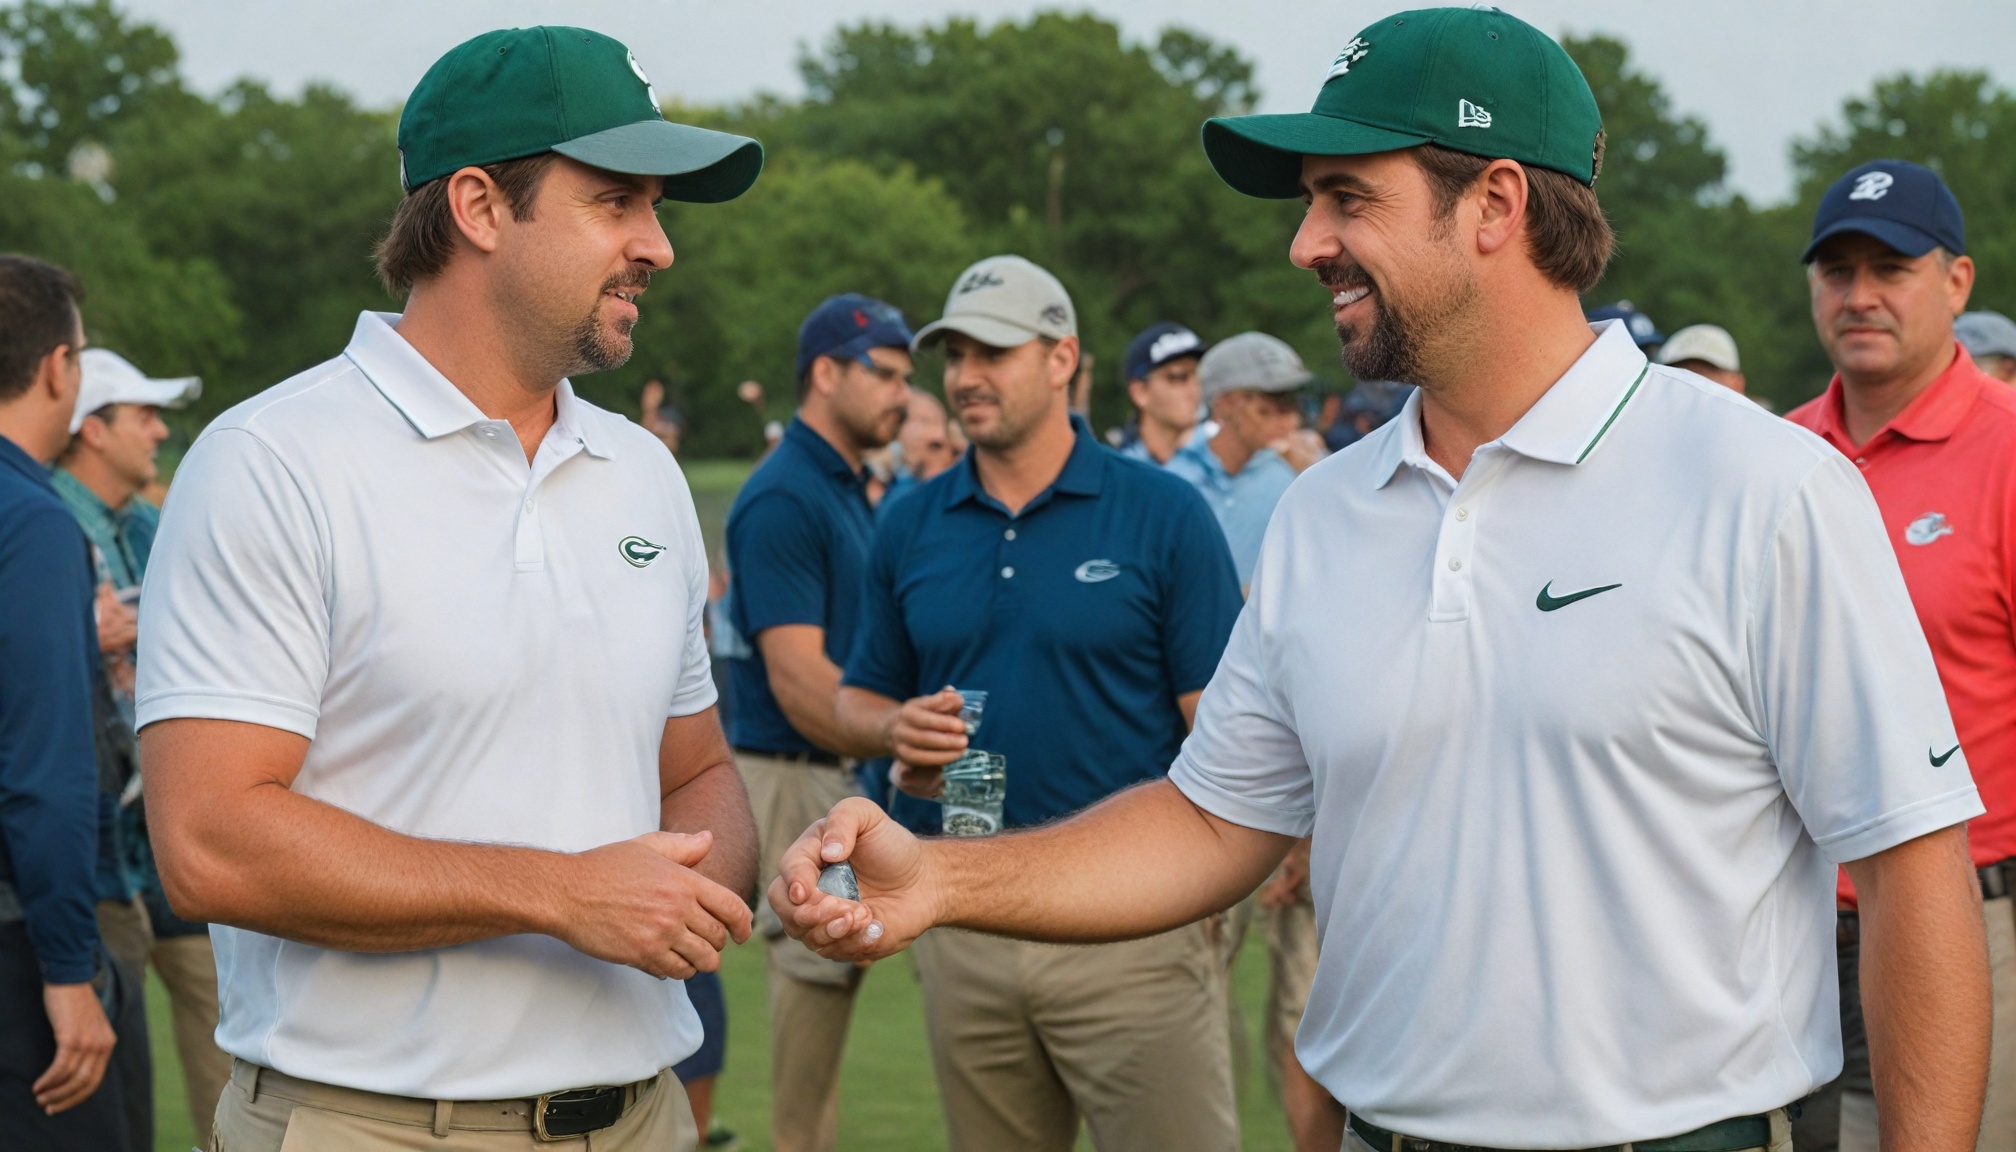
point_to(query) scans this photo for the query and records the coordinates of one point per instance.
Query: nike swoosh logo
(1547, 602)
(1940, 761)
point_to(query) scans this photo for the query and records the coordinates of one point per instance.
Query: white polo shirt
(479, 649)
(1580, 739)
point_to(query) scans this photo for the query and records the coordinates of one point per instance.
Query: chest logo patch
(1548, 602)
(1096, 571)
(1939, 760)
(1927, 528)
(637, 551)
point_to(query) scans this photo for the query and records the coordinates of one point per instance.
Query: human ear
(478, 207)
(1499, 197)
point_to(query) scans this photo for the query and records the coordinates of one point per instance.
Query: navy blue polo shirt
(49, 801)
(1083, 617)
(798, 538)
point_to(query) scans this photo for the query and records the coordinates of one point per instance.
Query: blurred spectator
(1364, 408)
(1708, 352)
(662, 420)
(1161, 369)
(1990, 338)
(116, 430)
(1254, 385)
(1644, 332)
(55, 1039)
(925, 447)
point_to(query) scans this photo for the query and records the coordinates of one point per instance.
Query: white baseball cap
(110, 379)
(1004, 302)
(1703, 342)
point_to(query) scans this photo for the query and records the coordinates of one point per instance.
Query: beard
(599, 347)
(1393, 344)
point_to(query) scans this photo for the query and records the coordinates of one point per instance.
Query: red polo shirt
(1944, 475)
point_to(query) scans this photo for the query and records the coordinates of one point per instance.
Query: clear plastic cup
(972, 703)
(976, 784)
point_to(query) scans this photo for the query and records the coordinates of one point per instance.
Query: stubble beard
(1397, 343)
(599, 347)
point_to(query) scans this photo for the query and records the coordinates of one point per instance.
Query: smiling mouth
(627, 295)
(1346, 297)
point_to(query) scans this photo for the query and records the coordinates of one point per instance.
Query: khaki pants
(1998, 1116)
(1291, 963)
(810, 998)
(188, 969)
(1027, 1038)
(1781, 1137)
(263, 1111)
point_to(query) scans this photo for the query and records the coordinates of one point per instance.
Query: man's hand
(84, 1041)
(118, 625)
(926, 732)
(1300, 449)
(898, 887)
(639, 902)
(1285, 886)
(923, 783)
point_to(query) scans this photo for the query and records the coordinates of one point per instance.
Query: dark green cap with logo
(521, 91)
(1471, 79)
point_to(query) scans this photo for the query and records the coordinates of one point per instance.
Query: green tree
(81, 70)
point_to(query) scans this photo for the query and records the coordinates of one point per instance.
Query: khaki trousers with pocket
(1028, 1038)
(262, 1111)
(810, 998)
(188, 969)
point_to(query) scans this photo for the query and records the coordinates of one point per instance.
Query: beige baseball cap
(1004, 302)
(110, 378)
(1704, 342)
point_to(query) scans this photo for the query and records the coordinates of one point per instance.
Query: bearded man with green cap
(424, 702)
(1626, 669)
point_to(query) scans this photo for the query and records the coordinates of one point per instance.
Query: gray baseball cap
(1251, 362)
(1004, 302)
(1986, 334)
(1704, 342)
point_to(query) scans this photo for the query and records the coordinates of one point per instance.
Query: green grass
(888, 1097)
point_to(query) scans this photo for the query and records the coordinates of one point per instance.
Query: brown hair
(38, 314)
(1566, 232)
(422, 236)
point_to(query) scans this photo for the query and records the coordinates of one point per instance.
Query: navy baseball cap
(1157, 345)
(847, 326)
(1644, 332)
(1905, 205)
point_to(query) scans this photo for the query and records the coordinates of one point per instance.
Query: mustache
(1849, 320)
(639, 278)
(1339, 276)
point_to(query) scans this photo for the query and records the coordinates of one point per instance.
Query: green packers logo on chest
(637, 551)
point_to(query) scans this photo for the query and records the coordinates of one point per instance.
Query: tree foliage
(230, 235)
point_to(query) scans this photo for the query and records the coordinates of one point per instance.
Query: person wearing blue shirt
(115, 431)
(798, 538)
(55, 1038)
(1161, 369)
(1253, 383)
(1090, 596)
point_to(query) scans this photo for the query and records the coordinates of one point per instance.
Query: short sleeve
(883, 660)
(235, 622)
(1243, 761)
(1200, 598)
(778, 556)
(695, 692)
(1846, 687)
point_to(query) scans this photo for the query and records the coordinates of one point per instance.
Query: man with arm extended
(797, 545)
(1627, 666)
(1935, 437)
(55, 1040)
(1090, 596)
(425, 711)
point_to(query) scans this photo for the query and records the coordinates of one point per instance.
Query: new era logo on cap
(1872, 186)
(1469, 115)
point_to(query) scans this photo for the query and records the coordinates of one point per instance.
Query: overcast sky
(1760, 72)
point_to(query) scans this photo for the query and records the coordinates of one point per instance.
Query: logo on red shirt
(1927, 528)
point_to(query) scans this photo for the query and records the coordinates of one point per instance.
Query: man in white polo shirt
(424, 700)
(1624, 668)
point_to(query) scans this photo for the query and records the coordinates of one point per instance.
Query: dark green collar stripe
(1615, 412)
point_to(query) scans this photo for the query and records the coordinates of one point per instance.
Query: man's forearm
(1144, 861)
(715, 801)
(862, 719)
(1925, 994)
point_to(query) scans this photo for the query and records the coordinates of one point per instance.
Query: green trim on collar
(1615, 412)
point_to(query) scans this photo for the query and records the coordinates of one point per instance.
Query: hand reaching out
(899, 887)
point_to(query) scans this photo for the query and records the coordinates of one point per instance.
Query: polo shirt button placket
(1457, 541)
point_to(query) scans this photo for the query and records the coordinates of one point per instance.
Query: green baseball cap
(1472, 79)
(522, 91)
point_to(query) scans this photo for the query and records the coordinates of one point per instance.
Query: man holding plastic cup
(1090, 596)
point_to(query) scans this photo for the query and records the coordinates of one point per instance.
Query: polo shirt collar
(1084, 472)
(1934, 415)
(428, 400)
(816, 446)
(1564, 425)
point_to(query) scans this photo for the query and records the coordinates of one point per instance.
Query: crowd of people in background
(901, 552)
